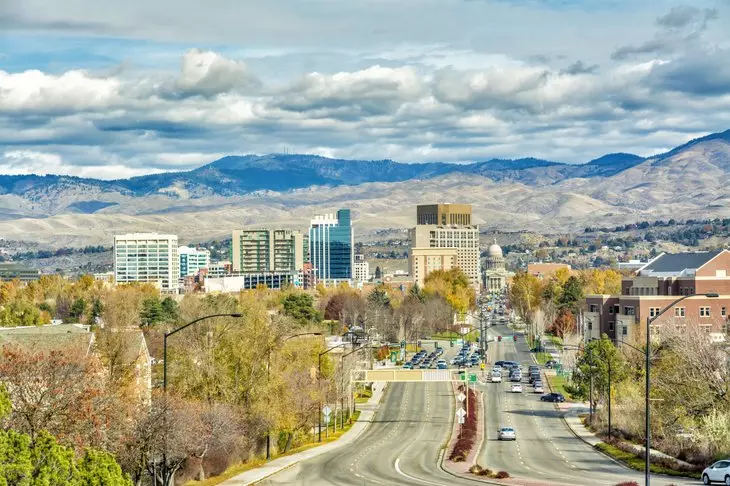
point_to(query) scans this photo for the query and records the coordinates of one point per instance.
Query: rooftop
(678, 264)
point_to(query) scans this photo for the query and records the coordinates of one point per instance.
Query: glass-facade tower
(331, 247)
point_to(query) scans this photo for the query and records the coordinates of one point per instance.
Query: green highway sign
(472, 378)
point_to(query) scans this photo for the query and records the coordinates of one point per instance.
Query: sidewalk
(367, 412)
(571, 415)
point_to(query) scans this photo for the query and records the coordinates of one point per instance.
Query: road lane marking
(425, 481)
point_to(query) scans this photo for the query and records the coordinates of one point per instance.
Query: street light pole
(268, 380)
(164, 374)
(647, 418)
(319, 377)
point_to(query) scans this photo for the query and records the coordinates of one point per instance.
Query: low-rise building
(13, 271)
(248, 281)
(545, 270)
(657, 286)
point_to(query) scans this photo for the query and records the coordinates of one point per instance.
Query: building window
(628, 310)
(615, 309)
(625, 330)
(594, 308)
(704, 312)
(723, 312)
(705, 328)
(611, 325)
(610, 309)
(590, 325)
(679, 312)
(654, 311)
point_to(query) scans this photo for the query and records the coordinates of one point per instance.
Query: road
(545, 448)
(402, 445)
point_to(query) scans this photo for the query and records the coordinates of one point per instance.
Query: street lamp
(647, 412)
(175, 331)
(268, 379)
(319, 377)
(164, 367)
(342, 365)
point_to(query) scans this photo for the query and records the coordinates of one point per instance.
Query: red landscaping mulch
(468, 433)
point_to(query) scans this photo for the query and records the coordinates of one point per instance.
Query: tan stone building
(423, 261)
(442, 226)
(496, 275)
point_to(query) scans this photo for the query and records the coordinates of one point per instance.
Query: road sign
(403, 344)
(326, 411)
(461, 397)
(482, 366)
(461, 413)
(472, 378)
(461, 420)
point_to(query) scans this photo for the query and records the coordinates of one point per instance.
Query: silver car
(506, 433)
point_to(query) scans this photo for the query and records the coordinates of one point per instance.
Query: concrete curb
(292, 464)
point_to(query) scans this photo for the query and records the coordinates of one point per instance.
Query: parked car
(718, 472)
(550, 364)
(553, 397)
(506, 433)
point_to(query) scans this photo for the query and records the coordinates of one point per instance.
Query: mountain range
(286, 189)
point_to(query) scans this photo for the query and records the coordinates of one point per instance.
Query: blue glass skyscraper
(331, 247)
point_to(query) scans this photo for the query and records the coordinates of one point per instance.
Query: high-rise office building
(192, 260)
(147, 257)
(331, 247)
(361, 270)
(268, 250)
(447, 226)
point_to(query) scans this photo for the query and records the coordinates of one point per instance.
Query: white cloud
(26, 162)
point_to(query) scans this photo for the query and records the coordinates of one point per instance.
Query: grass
(555, 340)
(471, 336)
(557, 384)
(237, 469)
(637, 463)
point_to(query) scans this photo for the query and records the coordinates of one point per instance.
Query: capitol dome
(495, 250)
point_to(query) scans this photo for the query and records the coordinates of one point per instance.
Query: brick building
(657, 285)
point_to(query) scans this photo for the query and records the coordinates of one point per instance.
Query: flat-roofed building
(268, 250)
(449, 226)
(13, 271)
(192, 260)
(423, 261)
(147, 257)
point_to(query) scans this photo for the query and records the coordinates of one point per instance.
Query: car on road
(552, 397)
(517, 388)
(538, 389)
(718, 472)
(506, 433)
(408, 366)
(496, 377)
(550, 364)
(442, 366)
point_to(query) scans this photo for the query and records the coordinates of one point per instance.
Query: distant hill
(234, 191)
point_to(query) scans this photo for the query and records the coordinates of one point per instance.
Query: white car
(717, 473)
(517, 388)
(538, 389)
(506, 433)
(496, 377)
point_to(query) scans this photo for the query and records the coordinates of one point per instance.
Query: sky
(109, 89)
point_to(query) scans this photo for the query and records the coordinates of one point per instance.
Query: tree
(170, 310)
(78, 309)
(43, 461)
(564, 324)
(97, 308)
(300, 307)
(571, 298)
(594, 362)
(152, 311)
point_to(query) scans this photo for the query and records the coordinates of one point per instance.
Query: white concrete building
(192, 260)
(147, 257)
(362, 269)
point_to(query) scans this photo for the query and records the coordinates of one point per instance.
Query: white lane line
(397, 468)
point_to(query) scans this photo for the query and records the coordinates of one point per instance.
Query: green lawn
(557, 383)
(637, 463)
(555, 340)
(471, 336)
(241, 468)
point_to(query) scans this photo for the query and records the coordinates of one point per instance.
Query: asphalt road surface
(413, 423)
(545, 448)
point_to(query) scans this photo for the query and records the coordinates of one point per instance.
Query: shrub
(475, 469)
(486, 472)
(503, 475)
(628, 483)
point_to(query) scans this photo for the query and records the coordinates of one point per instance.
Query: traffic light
(499, 338)
(514, 338)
